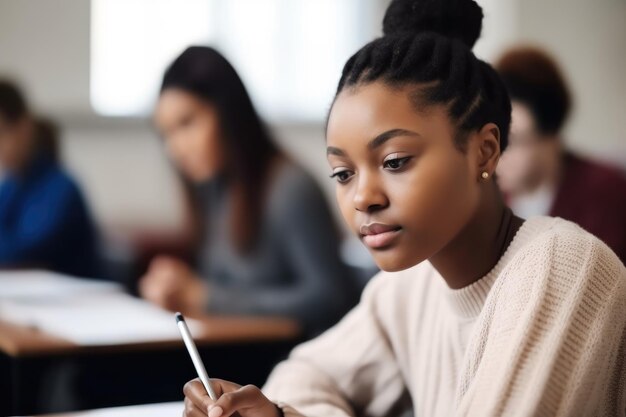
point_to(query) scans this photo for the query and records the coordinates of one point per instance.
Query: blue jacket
(45, 222)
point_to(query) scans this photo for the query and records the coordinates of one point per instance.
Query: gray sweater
(294, 270)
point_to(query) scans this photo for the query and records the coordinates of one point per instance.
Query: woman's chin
(393, 261)
(200, 176)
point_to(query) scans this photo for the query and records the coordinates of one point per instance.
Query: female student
(479, 313)
(44, 220)
(268, 241)
(537, 174)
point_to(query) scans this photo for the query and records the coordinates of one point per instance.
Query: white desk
(43, 313)
(48, 320)
(150, 410)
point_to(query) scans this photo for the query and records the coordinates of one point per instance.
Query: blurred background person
(268, 242)
(44, 219)
(536, 172)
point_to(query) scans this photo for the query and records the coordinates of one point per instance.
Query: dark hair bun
(458, 19)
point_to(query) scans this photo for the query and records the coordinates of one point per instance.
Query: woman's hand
(171, 284)
(233, 400)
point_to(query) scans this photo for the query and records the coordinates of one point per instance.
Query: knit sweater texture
(542, 334)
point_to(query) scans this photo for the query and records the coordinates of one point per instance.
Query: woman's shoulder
(63, 183)
(555, 315)
(292, 188)
(560, 257)
(561, 241)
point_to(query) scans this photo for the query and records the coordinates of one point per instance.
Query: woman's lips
(378, 235)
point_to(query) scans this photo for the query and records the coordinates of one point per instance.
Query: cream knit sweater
(543, 334)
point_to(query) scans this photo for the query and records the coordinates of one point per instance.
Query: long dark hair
(12, 102)
(205, 73)
(13, 107)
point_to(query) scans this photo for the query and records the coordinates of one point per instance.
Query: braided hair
(427, 45)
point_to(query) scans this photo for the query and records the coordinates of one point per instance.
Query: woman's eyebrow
(377, 141)
(331, 150)
(385, 136)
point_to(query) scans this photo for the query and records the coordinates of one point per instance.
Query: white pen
(195, 356)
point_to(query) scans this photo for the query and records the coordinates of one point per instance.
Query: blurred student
(269, 244)
(44, 219)
(537, 173)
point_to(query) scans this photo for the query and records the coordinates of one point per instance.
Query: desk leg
(15, 386)
(6, 389)
(23, 385)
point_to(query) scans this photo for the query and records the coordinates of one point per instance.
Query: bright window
(288, 52)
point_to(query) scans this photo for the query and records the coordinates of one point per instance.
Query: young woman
(479, 313)
(537, 173)
(44, 220)
(269, 243)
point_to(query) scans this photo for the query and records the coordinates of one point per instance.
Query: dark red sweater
(594, 196)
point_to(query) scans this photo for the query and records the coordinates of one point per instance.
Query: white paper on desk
(151, 410)
(43, 285)
(96, 320)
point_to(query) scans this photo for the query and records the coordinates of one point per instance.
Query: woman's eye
(186, 121)
(395, 163)
(341, 176)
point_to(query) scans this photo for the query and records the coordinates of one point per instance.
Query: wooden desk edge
(19, 341)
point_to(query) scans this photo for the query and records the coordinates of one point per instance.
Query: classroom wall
(45, 46)
(50, 59)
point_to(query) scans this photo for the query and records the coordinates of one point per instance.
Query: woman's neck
(552, 156)
(32, 162)
(480, 245)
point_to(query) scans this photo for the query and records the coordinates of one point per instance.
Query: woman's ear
(488, 141)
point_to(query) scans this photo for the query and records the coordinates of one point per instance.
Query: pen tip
(179, 317)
